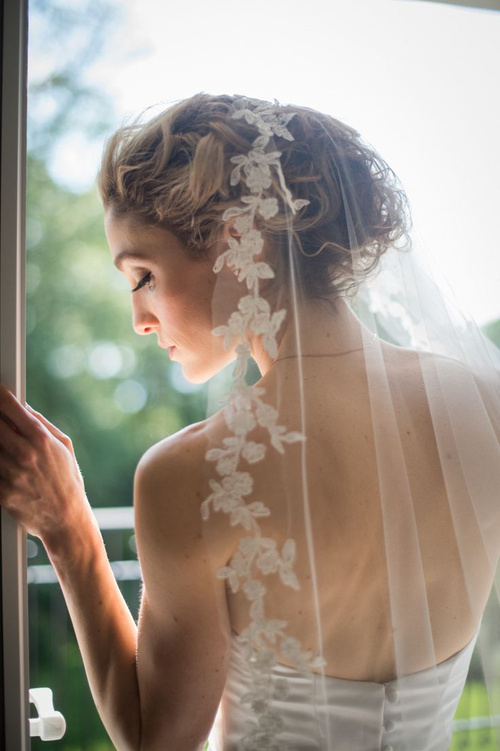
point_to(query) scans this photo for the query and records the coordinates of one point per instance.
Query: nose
(144, 320)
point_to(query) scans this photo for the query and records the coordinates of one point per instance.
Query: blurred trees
(113, 392)
(65, 38)
(109, 389)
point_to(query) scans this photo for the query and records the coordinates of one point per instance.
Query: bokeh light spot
(105, 360)
(130, 396)
(66, 361)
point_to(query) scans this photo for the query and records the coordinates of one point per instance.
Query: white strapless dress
(414, 713)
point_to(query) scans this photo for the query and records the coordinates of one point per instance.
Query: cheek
(195, 315)
(204, 299)
(227, 293)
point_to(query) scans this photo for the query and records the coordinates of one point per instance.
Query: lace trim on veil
(245, 409)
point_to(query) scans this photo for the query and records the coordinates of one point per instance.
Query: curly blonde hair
(174, 171)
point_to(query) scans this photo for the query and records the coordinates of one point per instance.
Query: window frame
(14, 727)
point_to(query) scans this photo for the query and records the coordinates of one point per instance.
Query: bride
(317, 556)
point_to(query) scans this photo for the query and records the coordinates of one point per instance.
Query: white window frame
(13, 615)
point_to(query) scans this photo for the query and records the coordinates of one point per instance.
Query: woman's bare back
(351, 518)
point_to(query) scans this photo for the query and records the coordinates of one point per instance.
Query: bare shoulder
(448, 386)
(417, 365)
(175, 457)
(168, 481)
(184, 640)
(169, 487)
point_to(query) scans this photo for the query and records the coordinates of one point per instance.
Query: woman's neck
(319, 328)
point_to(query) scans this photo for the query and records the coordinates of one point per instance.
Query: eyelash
(145, 281)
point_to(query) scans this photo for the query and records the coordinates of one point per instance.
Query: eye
(144, 282)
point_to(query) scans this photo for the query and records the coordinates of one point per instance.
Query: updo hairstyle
(174, 171)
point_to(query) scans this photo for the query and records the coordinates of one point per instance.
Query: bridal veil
(357, 477)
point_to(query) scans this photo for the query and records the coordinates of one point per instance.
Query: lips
(170, 347)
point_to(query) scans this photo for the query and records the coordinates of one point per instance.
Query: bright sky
(418, 79)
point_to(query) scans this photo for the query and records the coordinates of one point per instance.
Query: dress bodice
(413, 713)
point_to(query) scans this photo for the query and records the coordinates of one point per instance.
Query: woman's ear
(230, 230)
(237, 226)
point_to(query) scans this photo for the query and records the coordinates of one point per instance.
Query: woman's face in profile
(173, 294)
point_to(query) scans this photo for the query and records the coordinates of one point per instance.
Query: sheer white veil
(458, 373)
(351, 501)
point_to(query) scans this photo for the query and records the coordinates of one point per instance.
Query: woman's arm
(104, 628)
(184, 633)
(41, 486)
(159, 689)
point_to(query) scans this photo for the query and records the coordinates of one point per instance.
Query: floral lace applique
(257, 556)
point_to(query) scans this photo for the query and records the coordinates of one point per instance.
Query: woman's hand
(40, 482)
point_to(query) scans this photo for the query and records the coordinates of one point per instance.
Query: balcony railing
(114, 519)
(121, 519)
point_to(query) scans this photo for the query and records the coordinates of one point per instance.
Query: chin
(196, 377)
(202, 372)
(198, 373)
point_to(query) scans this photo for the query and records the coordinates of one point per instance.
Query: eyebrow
(128, 255)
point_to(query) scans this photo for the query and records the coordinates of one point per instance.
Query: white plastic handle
(50, 725)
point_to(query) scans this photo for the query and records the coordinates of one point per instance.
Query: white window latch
(50, 725)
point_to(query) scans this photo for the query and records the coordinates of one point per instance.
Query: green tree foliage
(108, 388)
(113, 392)
(65, 38)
